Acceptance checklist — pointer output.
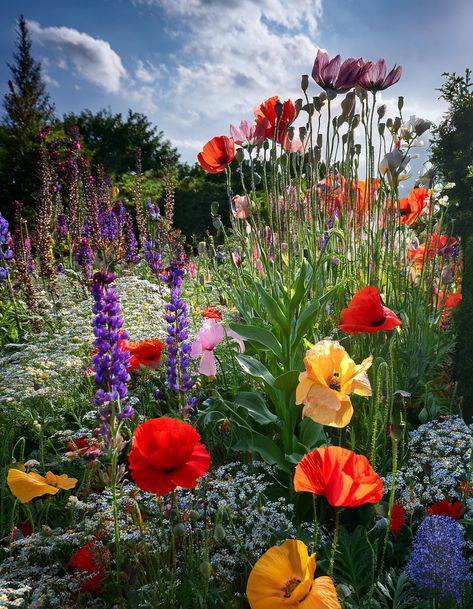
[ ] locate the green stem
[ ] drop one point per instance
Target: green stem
(335, 541)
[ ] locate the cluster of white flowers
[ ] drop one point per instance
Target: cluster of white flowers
(51, 364)
(437, 462)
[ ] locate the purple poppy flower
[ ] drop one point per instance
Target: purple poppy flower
(373, 76)
(333, 75)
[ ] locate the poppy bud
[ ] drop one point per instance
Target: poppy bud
(278, 109)
(239, 155)
(219, 532)
(298, 105)
(400, 102)
(302, 133)
(397, 124)
(381, 111)
(318, 103)
(205, 569)
(357, 149)
(304, 82)
(179, 530)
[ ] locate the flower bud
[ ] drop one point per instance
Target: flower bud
(381, 111)
(239, 155)
(400, 102)
(205, 569)
(304, 82)
(179, 530)
(219, 532)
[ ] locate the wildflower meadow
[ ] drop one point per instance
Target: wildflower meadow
(271, 414)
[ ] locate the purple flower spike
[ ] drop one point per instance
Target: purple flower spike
(333, 75)
(373, 76)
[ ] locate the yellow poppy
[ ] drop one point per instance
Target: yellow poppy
(284, 578)
(330, 376)
(28, 486)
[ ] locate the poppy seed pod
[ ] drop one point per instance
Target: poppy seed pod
(381, 111)
(305, 82)
(400, 102)
(239, 155)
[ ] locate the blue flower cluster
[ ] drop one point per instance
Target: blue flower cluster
(110, 361)
(437, 565)
(6, 253)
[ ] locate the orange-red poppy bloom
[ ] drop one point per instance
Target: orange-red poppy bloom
(166, 453)
(449, 301)
(366, 313)
(217, 154)
(84, 560)
(266, 111)
(343, 477)
(365, 194)
(212, 313)
(441, 245)
(143, 353)
(398, 518)
(411, 207)
(445, 508)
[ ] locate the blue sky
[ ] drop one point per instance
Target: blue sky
(195, 66)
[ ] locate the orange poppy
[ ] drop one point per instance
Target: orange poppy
(217, 154)
(366, 313)
(365, 193)
(344, 478)
(411, 208)
(212, 313)
(267, 111)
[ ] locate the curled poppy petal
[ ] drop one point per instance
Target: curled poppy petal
(366, 313)
(343, 477)
(217, 154)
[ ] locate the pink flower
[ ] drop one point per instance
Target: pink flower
(249, 133)
(208, 337)
(373, 76)
(334, 75)
(241, 207)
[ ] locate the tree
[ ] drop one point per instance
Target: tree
(27, 111)
(111, 141)
(452, 154)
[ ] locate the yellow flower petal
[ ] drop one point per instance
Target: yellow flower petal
(63, 481)
(322, 596)
(26, 487)
(320, 413)
(303, 387)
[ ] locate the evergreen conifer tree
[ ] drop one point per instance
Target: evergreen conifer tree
(27, 111)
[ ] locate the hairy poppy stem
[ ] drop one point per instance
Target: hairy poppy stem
(335, 541)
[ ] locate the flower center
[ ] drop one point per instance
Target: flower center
(290, 587)
(335, 382)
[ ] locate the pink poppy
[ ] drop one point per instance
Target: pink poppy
(208, 337)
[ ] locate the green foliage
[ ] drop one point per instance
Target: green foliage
(112, 141)
(27, 111)
(394, 591)
(464, 359)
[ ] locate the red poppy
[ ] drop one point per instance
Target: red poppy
(398, 518)
(23, 530)
(442, 245)
(445, 508)
(166, 453)
(84, 560)
(217, 154)
(449, 301)
(365, 194)
(366, 313)
(82, 447)
(343, 477)
(411, 208)
(212, 313)
(266, 111)
(143, 353)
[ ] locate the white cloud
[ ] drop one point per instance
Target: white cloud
(234, 55)
(93, 58)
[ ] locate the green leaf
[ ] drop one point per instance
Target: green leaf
(354, 561)
(301, 285)
(259, 335)
(273, 308)
(254, 368)
(308, 315)
(312, 434)
(268, 450)
(287, 381)
(255, 406)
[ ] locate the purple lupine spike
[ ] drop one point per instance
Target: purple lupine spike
(131, 243)
(110, 360)
(178, 349)
(84, 256)
(61, 227)
(6, 252)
